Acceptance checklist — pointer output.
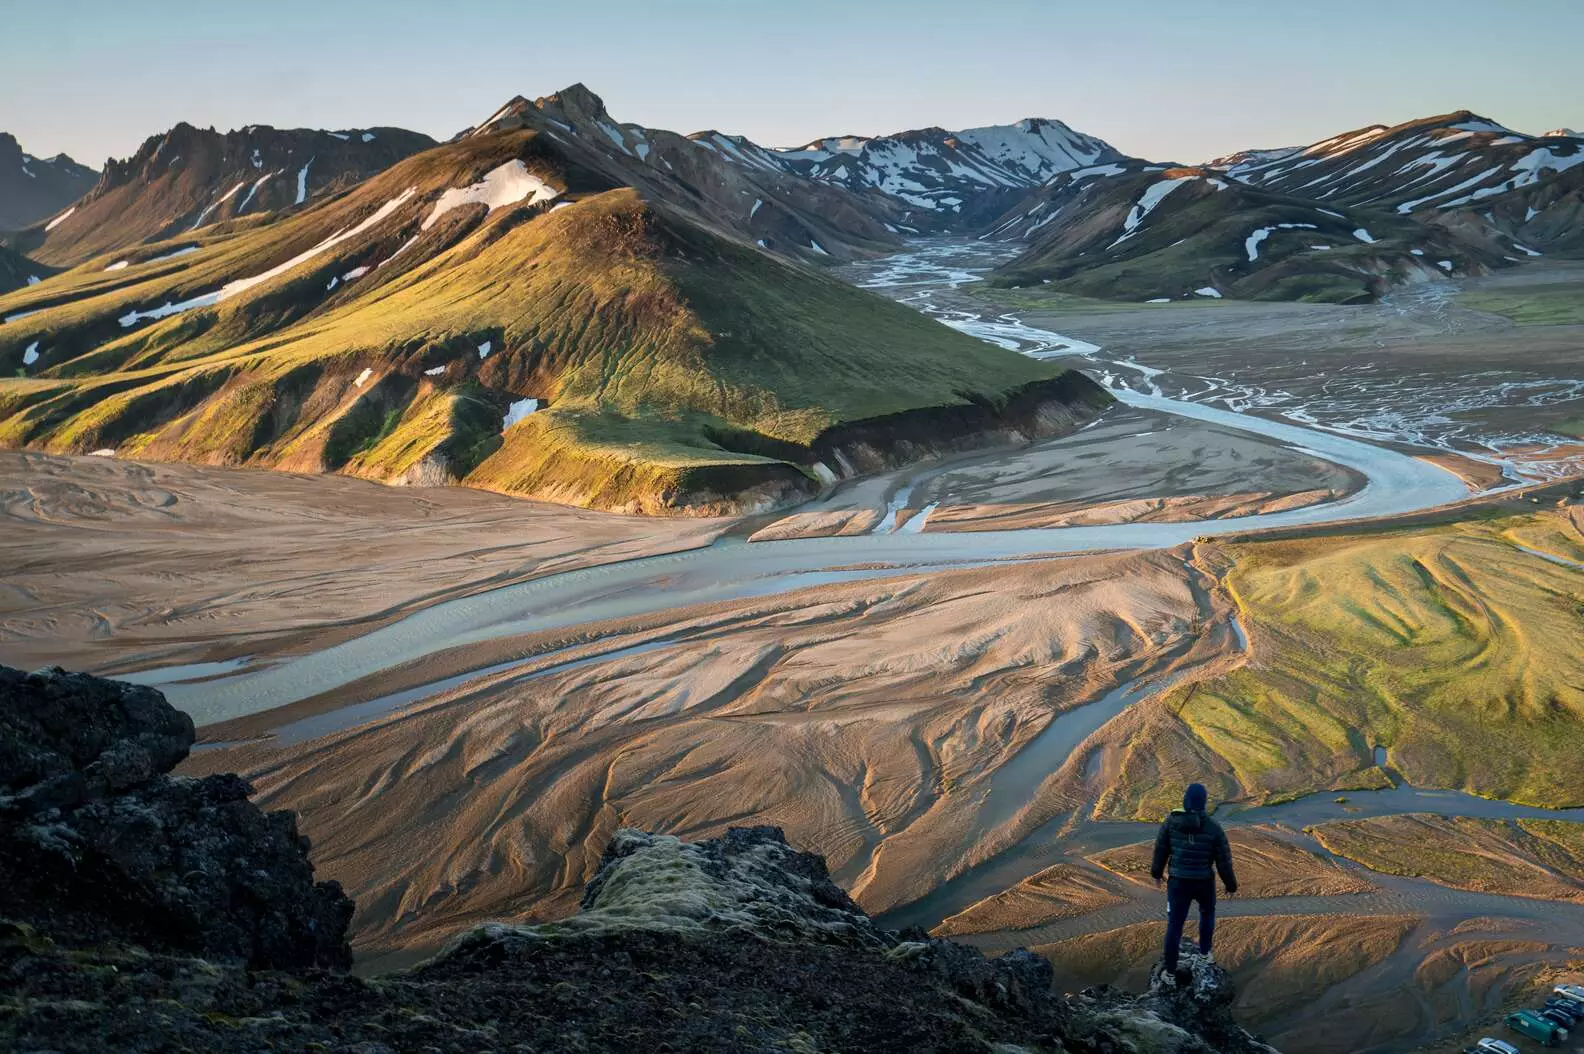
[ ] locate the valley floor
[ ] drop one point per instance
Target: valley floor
(464, 695)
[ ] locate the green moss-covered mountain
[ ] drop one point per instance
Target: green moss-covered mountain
(496, 312)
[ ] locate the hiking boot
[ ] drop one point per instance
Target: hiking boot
(1168, 979)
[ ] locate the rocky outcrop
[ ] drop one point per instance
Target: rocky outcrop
(98, 844)
(155, 913)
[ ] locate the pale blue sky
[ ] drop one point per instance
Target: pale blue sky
(1168, 80)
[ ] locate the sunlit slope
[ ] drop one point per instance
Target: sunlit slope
(631, 358)
(1450, 646)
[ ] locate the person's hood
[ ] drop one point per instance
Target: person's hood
(1195, 798)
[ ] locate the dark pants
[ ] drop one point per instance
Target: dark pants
(1180, 894)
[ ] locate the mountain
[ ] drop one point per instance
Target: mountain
(1146, 233)
(951, 180)
(17, 271)
(191, 177)
(1345, 219)
(726, 182)
(504, 310)
(34, 188)
(1426, 168)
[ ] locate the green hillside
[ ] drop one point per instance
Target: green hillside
(672, 368)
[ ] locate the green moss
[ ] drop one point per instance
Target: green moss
(1437, 642)
(1561, 304)
(652, 341)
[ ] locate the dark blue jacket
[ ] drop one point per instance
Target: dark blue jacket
(1193, 844)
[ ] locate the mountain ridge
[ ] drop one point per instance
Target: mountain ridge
(188, 177)
(32, 188)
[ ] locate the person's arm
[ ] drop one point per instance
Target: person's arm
(1223, 861)
(1162, 851)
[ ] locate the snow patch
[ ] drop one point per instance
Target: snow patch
(231, 289)
(517, 411)
(1364, 236)
(484, 349)
(363, 377)
(339, 135)
(183, 251)
(505, 185)
(756, 204)
(1445, 265)
(817, 247)
(216, 202)
(1153, 196)
(103, 452)
(1526, 250)
(1252, 242)
(30, 356)
(34, 279)
(356, 272)
(254, 190)
(58, 220)
(434, 371)
(1159, 300)
(132, 318)
(368, 137)
(1210, 291)
(119, 265)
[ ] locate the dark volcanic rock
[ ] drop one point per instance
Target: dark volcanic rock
(68, 737)
(98, 845)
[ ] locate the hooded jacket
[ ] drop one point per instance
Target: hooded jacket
(1193, 844)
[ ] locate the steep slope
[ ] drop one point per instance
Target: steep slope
(725, 182)
(190, 177)
(951, 180)
(1146, 234)
(1426, 168)
(17, 271)
(497, 312)
(34, 188)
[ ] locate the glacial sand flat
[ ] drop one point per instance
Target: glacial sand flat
(1132, 465)
(906, 728)
(1521, 858)
(1268, 865)
(114, 565)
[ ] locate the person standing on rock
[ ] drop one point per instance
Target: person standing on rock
(1195, 847)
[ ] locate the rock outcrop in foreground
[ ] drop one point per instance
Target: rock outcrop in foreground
(149, 912)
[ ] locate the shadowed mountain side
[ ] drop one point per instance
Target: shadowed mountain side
(32, 189)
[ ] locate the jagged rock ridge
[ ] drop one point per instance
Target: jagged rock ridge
(189, 178)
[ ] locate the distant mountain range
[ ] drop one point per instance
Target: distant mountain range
(1345, 219)
(558, 304)
(190, 178)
